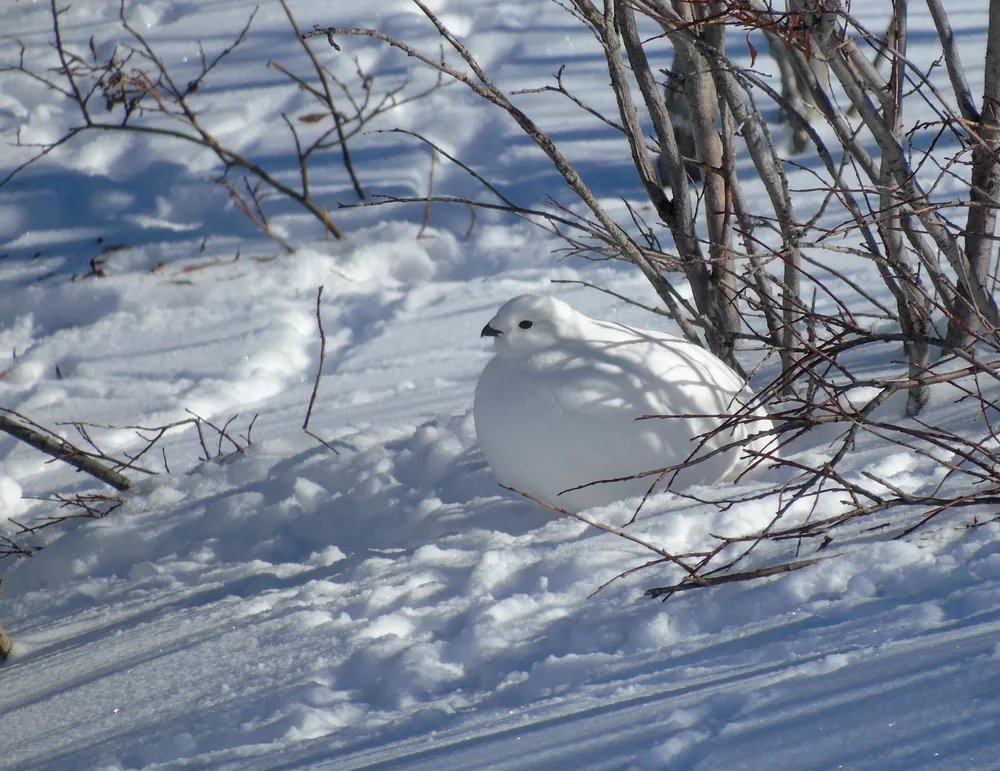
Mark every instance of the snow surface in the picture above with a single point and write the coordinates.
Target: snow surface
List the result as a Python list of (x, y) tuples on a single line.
[(391, 606)]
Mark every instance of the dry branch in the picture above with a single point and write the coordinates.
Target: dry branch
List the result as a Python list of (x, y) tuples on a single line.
[(702, 582), (31, 433)]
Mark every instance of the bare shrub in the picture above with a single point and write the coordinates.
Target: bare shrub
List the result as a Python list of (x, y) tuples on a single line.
[(911, 199), (134, 89)]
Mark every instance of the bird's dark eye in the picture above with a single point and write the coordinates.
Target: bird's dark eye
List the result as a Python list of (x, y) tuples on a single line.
[(525, 324)]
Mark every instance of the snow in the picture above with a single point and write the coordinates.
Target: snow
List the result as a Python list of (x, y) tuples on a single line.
[(392, 606)]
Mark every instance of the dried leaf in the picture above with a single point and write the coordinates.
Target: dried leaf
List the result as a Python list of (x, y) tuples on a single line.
[(313, 117)]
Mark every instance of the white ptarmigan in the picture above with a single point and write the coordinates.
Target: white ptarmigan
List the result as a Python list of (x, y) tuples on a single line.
[(557, 406)]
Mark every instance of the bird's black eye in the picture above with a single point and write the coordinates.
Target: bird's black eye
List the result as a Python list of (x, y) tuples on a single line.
[(525, 324)]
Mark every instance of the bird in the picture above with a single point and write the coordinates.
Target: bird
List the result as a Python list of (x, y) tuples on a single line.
[(562, 407)]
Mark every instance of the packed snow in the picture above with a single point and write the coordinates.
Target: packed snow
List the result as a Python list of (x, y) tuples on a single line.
[(377, 600)]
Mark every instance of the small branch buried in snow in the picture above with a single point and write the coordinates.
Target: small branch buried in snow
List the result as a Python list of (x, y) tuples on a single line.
[(102, 466), (666, 592), (6, 645), (694, 578), (42, 439), (664, 556)]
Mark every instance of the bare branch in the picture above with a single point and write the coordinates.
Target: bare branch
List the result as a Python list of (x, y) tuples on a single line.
[(29, 432)]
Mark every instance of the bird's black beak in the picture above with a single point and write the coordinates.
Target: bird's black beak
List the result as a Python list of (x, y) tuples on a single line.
[(489, 331)]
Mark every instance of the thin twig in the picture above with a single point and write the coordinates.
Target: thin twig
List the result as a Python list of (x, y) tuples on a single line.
[(319, 373)]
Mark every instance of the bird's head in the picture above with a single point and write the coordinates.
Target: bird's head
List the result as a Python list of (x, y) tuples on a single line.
[(530, 324)]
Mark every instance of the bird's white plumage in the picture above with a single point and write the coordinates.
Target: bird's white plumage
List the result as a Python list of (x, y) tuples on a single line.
[(558, 405)]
